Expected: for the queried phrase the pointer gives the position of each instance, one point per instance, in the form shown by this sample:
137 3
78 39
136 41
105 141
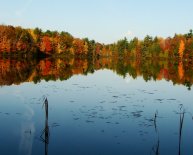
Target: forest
20 41
153 58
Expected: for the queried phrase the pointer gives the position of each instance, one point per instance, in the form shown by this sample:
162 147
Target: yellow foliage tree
181 49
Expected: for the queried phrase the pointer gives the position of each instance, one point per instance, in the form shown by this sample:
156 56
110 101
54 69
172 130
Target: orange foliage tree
79 47
181 49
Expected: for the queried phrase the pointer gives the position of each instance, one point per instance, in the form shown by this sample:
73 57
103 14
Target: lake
109 107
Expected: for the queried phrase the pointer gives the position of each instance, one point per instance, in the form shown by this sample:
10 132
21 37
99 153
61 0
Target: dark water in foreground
97 114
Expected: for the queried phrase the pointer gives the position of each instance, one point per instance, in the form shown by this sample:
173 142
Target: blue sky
103 20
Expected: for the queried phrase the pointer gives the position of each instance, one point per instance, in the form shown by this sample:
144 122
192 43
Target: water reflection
16 72
100 113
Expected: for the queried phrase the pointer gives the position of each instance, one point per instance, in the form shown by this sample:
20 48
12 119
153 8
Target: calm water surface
97 114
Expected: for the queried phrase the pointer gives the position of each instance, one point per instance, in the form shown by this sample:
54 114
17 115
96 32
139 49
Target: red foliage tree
46 45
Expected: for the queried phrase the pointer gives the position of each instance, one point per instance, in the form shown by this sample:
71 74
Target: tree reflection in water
19 71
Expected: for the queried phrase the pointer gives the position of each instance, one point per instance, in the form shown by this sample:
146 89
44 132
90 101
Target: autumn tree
65 42
46 45
15 39
91 44
38 32
181 49
78 46
98 49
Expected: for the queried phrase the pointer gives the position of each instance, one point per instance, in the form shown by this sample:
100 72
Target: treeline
30 41
180 46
